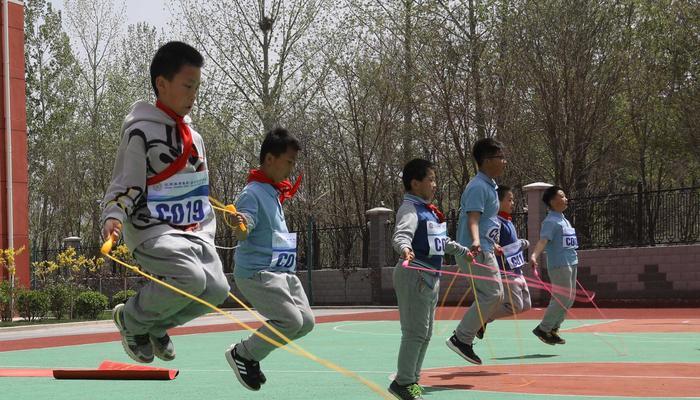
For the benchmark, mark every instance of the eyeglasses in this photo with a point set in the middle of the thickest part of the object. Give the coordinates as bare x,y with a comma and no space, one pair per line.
501,157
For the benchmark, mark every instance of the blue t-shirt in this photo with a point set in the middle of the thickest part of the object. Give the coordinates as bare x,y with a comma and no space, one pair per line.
259,203
479,195
562,243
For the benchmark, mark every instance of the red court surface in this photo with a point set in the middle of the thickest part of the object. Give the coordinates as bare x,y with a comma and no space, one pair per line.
666,380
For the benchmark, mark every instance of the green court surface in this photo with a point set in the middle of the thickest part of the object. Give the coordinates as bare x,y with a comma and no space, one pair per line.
366,347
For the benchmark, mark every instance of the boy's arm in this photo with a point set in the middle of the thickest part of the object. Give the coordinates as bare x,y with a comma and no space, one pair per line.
473,221
128,183
406,225
539,248
454,248
546,234
247,207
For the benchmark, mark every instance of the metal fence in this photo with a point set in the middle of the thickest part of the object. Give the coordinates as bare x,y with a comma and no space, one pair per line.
452,219
637,219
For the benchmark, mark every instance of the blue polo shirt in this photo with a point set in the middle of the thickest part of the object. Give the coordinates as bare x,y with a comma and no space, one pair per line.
479,195
260,205
562,243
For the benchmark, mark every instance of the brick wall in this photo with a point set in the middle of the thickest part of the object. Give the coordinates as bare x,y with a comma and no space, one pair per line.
663,272
654,274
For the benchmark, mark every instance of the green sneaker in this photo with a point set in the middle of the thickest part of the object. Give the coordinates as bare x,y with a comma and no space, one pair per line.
408,392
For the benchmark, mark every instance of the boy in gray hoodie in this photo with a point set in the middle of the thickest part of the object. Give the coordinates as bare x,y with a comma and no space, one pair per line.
421,239
158,198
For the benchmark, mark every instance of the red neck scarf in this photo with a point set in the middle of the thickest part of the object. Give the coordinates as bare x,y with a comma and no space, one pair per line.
287,191
505,215
432,207
186,136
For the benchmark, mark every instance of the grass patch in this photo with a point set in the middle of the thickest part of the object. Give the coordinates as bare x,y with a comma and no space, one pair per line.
106,315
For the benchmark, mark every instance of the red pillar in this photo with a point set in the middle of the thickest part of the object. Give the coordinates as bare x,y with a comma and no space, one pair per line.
20,175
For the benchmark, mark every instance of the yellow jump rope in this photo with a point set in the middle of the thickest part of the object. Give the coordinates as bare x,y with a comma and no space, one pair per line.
294,347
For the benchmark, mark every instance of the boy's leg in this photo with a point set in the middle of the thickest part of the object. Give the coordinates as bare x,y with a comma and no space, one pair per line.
512,299
527,300
431,319
415,301
271,296
572,295
302,303
488,292
560,278
174,259
215,291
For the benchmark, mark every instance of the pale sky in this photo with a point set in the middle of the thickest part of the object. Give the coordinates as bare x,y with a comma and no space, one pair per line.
155,12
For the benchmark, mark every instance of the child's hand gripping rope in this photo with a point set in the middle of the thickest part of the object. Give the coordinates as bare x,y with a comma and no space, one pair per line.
229,209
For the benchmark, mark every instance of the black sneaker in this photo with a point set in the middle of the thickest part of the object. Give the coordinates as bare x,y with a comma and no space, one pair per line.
545,337
163,347
408,392
557,338
138,347
247,371
465,351
481,331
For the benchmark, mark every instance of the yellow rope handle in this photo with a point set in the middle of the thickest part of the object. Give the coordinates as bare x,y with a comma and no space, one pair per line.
294,349
227,208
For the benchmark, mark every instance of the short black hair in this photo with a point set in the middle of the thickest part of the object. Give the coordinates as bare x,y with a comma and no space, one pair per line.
550,193
484,148
172,56
502,191
276,142
415,169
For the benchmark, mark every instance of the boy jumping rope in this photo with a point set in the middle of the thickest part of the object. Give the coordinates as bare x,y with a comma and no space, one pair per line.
421,238
265,261
159,195
511,261
478,228
558,239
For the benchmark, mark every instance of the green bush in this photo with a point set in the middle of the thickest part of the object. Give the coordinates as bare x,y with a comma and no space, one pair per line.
5,312
60,299
32,304
90,305
122,296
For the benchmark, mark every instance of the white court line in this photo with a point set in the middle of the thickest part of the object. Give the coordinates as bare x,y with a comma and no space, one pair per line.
338,328
607,376
646,339
291,371
591,324
281,371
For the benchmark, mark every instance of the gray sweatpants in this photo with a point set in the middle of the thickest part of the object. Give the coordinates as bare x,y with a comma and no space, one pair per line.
564,278
417,303
186,262
516,298
488,294
279,297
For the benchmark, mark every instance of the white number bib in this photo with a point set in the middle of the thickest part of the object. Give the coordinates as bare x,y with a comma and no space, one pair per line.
568,238
494,234
182,199
284,251
437,237
514,254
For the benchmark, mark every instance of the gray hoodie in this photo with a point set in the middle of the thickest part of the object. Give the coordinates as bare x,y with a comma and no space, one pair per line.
149,143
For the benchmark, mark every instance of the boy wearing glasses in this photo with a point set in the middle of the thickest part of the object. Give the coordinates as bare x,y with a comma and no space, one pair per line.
478,229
